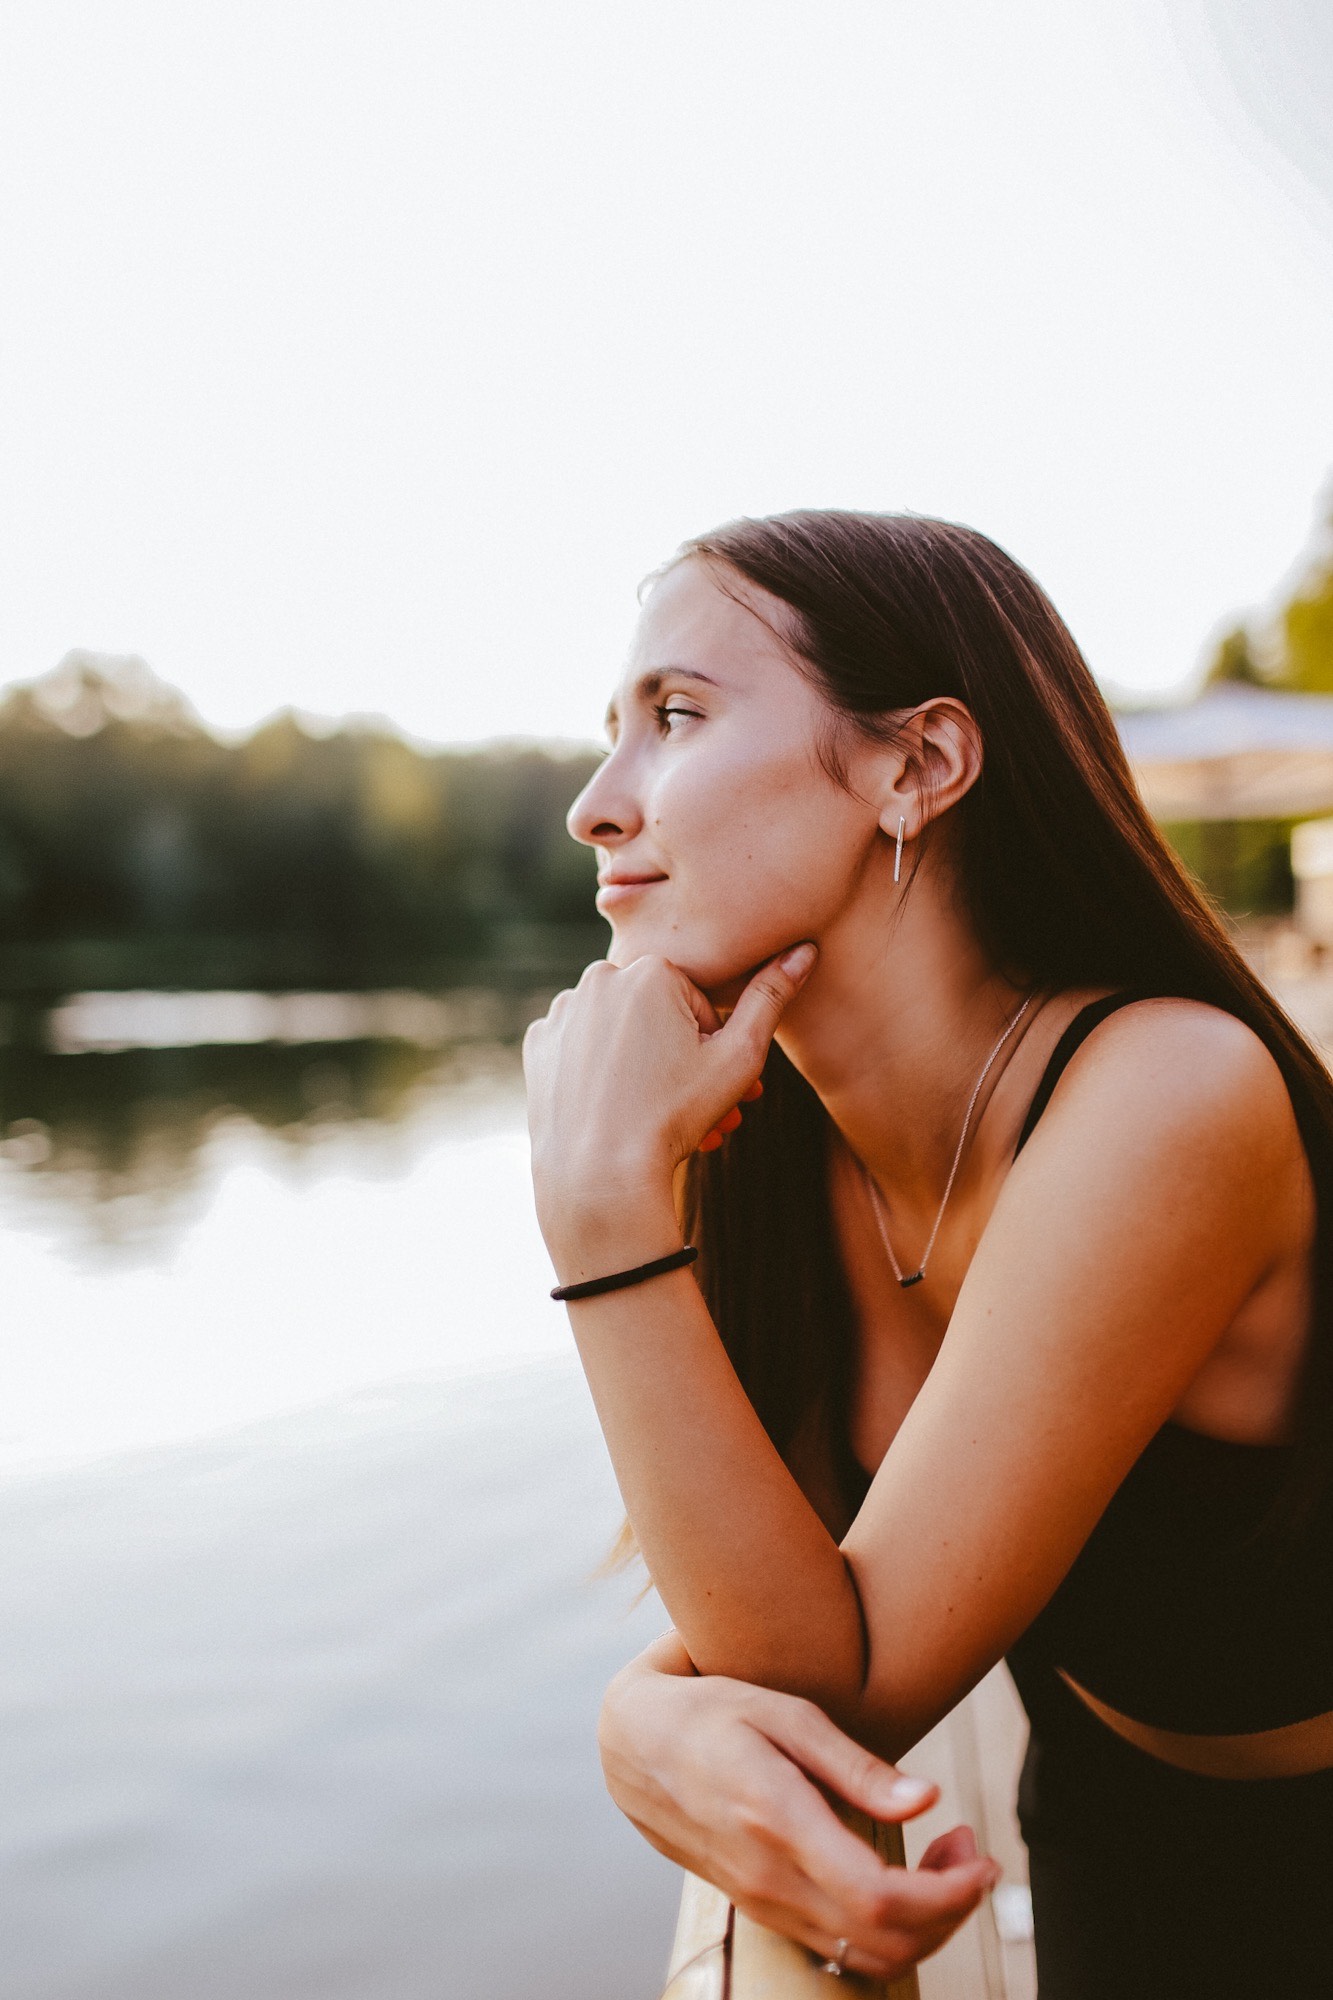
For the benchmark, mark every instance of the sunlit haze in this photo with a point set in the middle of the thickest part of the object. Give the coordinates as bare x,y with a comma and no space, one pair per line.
363,358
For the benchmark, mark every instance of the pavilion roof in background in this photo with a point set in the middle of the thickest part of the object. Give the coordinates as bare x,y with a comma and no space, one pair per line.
1235,752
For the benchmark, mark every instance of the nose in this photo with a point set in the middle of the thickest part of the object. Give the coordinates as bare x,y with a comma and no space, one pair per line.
605,813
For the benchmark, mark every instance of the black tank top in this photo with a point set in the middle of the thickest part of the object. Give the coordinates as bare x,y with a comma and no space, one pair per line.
1182,1609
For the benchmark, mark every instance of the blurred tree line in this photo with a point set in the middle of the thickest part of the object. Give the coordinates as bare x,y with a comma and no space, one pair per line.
136,848
1293,649
1247,863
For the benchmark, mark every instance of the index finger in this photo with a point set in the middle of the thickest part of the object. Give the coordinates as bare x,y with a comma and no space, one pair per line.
844,1869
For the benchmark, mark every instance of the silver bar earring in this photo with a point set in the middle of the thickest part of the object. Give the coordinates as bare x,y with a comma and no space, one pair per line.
898,851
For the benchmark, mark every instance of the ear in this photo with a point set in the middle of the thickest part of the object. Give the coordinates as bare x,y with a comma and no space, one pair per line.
934,759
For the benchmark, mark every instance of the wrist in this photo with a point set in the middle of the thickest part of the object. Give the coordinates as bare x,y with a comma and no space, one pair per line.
592,1239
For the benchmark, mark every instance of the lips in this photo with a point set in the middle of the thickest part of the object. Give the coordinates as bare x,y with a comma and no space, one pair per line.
621,886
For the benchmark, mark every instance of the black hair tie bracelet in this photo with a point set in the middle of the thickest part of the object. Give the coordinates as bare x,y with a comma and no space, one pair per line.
618,1280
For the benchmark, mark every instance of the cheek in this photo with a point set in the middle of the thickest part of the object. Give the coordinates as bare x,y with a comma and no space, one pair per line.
777,815
797,870
757,858
785,824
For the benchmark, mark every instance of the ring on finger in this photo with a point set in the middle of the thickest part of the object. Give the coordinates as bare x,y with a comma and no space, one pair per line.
837,1964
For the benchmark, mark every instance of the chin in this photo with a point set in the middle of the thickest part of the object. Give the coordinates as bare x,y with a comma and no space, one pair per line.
716,973
724,993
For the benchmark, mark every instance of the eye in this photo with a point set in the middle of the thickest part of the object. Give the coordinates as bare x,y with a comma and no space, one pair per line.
665,714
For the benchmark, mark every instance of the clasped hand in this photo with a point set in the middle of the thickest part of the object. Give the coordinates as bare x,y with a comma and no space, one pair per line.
729,1781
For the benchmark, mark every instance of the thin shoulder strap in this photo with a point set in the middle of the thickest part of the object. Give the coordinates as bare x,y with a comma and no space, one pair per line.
1073,1037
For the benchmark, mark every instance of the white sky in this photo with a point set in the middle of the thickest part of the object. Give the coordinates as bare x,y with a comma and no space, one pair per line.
364,356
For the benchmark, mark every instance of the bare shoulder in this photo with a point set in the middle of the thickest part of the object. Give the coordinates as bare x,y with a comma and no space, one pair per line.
1177,1070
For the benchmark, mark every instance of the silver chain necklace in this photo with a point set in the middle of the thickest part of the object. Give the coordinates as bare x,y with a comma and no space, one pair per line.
877,1199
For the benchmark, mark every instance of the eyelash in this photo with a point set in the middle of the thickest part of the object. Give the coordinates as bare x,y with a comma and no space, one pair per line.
663,709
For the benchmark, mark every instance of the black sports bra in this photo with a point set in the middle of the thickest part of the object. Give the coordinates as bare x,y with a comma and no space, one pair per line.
1180,1610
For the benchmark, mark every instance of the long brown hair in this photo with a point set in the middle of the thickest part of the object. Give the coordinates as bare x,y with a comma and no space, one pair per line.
1067,882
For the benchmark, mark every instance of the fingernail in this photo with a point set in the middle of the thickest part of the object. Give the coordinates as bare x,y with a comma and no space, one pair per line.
909,1792
798,960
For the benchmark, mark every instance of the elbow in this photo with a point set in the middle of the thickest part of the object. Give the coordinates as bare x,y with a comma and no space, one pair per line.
846,1677
890,1708
862,1632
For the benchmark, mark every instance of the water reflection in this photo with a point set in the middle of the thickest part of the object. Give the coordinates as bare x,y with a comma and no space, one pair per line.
302,1496
111,1104
203,1234
84,1023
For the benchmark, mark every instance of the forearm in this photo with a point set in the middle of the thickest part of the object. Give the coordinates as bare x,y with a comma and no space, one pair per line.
754,1583
627,1075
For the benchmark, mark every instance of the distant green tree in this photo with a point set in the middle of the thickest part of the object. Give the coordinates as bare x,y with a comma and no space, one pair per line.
1233,660
1247,864
1307,628
1295,648
135,847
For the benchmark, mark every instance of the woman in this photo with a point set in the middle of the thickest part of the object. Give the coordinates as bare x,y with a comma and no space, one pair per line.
1009,1334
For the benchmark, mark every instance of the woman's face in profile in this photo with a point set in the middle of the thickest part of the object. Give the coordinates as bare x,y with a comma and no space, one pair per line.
720,837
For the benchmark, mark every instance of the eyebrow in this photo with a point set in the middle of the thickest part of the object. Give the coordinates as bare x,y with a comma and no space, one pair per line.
651,683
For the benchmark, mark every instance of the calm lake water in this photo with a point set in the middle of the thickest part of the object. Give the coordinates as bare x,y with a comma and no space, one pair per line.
301,1497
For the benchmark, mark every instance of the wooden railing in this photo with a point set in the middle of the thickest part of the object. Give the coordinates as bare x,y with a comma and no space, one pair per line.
718,1954
973,1755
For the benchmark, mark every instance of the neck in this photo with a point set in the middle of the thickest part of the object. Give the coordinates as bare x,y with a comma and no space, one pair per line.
892,1031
